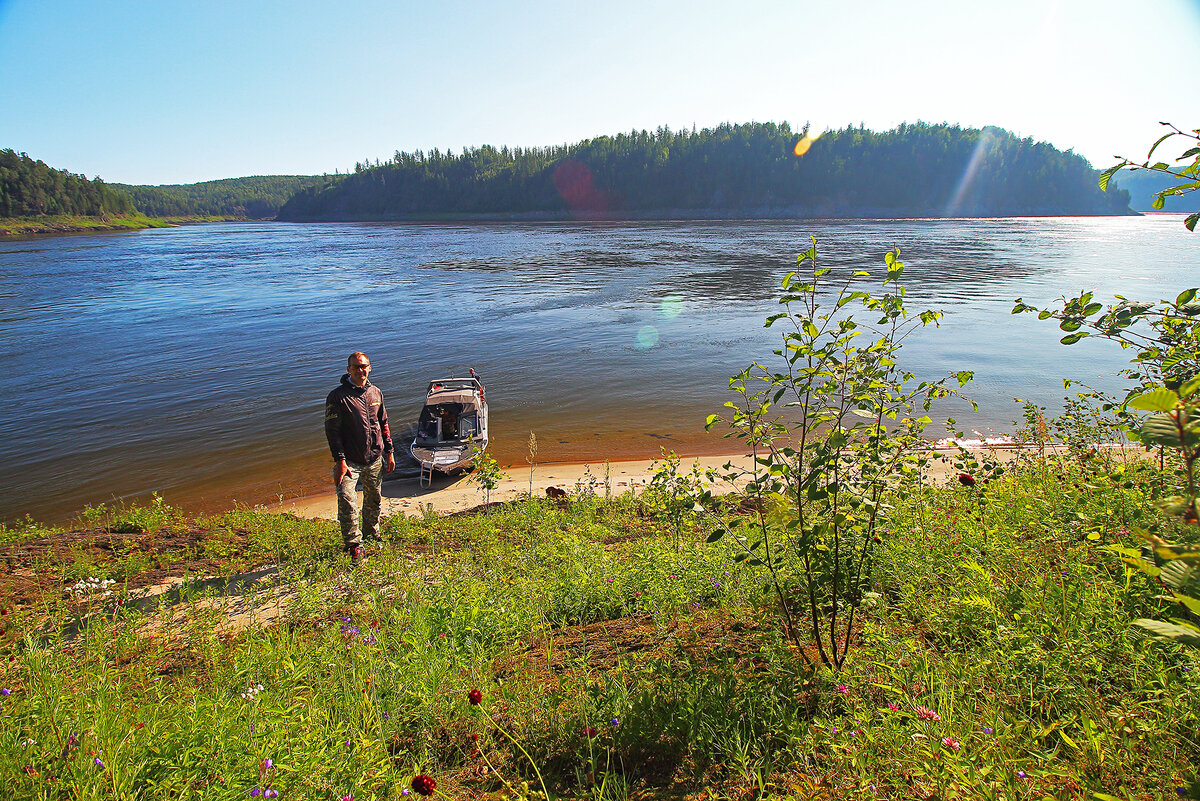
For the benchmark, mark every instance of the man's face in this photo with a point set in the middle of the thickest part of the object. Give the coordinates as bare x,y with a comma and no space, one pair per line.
359,368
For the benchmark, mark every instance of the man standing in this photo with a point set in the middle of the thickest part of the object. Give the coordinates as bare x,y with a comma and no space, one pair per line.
356,426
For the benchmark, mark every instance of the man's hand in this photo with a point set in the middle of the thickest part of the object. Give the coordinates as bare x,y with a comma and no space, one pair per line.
339,472
391,464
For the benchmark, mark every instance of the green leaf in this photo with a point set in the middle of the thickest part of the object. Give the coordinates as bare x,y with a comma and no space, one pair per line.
1107,175
1160,429
1157,400
716,535
1071,339
1191,220
1185,633
1069,324
1184,297
1093,308
1045,315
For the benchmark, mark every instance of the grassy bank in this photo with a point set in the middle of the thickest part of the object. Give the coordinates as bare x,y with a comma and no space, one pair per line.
616,655
61,224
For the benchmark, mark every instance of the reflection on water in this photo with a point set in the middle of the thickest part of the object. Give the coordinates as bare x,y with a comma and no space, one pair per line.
194,360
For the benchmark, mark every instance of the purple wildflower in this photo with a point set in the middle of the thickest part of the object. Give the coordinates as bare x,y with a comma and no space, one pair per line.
98,762
256,792
6,691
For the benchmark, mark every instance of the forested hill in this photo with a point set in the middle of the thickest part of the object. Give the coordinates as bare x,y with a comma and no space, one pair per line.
750,170
257,197
30,188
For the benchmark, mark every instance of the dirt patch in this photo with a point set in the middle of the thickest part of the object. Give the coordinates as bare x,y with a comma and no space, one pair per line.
599,647
49,565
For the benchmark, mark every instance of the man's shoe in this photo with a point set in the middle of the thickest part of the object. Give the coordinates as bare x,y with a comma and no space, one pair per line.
356,554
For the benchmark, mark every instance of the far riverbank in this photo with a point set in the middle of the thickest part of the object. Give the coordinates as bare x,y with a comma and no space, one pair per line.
73,224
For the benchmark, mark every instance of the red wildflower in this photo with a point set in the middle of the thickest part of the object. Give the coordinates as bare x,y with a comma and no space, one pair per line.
591,731
966,479
424,784
475,698
925,713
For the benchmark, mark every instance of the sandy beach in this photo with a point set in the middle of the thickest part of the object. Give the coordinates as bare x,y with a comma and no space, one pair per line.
459,493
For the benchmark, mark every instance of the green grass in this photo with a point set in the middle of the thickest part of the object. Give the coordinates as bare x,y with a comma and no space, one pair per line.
63,223
998,621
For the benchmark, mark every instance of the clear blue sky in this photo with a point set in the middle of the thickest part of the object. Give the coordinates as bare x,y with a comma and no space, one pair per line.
170,92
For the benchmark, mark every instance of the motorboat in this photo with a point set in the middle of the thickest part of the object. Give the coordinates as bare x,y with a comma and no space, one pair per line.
452,429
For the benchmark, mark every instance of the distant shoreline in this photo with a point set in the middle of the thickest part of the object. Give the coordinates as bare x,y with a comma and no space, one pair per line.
73,224
69,224
781,214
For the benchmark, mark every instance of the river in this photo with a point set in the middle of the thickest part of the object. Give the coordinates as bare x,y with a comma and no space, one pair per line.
194,361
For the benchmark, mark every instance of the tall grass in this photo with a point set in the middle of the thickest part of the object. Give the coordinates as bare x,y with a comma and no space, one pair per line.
994,659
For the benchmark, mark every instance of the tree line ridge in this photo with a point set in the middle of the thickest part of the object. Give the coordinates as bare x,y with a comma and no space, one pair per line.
731,170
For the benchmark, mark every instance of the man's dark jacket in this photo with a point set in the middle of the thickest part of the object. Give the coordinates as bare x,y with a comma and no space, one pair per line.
356,423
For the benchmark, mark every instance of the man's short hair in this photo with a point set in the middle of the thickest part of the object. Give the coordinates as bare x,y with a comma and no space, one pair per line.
357,353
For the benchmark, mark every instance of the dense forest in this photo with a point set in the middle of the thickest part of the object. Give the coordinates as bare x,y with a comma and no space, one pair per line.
755,169
30,188
258,197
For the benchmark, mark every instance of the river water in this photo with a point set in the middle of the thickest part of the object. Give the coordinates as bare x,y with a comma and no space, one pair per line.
194,361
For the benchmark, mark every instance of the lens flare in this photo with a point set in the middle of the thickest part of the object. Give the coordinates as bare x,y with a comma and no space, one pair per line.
978,156
804,144
647,337
671,306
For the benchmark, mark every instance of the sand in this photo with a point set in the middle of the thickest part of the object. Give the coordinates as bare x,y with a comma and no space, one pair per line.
459,493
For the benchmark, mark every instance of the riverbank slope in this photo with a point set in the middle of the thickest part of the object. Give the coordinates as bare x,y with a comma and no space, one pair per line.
71,223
